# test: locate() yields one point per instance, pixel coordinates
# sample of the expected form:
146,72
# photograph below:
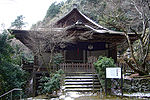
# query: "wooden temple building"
91,41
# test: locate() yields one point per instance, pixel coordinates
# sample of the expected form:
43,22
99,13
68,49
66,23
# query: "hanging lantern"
106,45
90,47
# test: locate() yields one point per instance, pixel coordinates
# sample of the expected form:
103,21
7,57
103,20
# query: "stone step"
81,90
80,77
80,74
81,86
81,80
81,83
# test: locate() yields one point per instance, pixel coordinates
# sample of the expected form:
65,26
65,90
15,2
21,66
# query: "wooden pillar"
34,84
113,52
35,60
64,55
84,56
36,63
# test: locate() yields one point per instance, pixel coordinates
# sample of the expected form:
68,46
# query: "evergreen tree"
11,75
53,10
18,23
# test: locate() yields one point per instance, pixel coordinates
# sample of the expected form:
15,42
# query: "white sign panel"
113,72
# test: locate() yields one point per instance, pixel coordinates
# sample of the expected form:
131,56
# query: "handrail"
15,89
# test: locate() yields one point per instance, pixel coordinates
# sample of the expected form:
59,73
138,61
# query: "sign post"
114,73
121,83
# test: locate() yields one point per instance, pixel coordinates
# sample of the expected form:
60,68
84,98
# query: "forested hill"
91,8
112,14
83,5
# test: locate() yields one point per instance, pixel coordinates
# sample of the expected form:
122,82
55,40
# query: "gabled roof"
76,22
30,37
74,16
83,27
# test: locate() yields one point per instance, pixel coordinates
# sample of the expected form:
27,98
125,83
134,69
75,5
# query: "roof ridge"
91,20
87,18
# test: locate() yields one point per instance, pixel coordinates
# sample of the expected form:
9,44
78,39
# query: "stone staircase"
81,82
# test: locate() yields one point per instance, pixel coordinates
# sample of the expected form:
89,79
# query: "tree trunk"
141,72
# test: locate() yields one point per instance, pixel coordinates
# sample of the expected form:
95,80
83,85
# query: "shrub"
58,59
51,84
100,66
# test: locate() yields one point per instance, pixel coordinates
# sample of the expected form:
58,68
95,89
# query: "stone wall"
130,86
137,85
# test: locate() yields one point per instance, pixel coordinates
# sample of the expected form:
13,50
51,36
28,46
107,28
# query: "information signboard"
113,72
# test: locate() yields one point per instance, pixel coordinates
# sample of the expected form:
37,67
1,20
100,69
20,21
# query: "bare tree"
47,40
131,16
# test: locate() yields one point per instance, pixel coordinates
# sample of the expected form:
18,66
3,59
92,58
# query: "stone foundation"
136,85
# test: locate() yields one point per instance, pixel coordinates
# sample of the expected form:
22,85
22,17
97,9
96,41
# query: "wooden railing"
77,67
68,67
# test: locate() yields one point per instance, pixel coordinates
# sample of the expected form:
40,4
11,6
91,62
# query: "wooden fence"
77,67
